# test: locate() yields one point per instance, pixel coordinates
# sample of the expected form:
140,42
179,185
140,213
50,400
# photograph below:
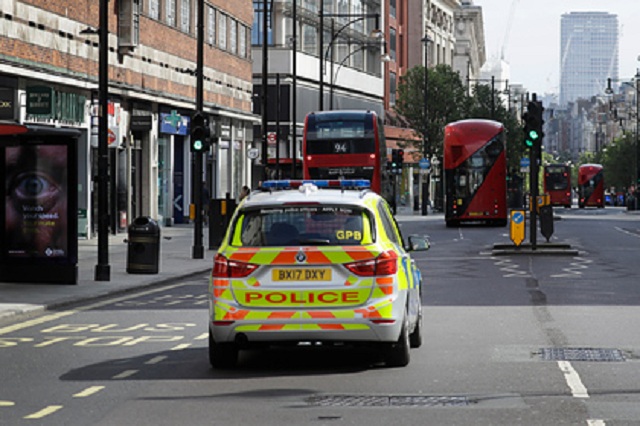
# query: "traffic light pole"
198,247
533,139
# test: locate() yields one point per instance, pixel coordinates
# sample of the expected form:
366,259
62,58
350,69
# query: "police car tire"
398,353
222,355
415,338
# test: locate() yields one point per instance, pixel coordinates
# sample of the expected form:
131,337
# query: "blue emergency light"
320,183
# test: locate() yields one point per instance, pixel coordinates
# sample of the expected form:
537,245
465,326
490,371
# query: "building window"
154,9
392,89
170,12
242,41
309,39
357,9
311,5
222,31
211,26
257,33
392,8
185,15
233,36
392,44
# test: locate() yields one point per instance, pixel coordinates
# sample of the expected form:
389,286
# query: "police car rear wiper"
315,242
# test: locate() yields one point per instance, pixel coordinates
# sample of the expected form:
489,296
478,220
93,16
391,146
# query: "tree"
619,162
446,99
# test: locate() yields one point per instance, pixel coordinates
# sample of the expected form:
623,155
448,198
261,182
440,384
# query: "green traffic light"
533,135
197,145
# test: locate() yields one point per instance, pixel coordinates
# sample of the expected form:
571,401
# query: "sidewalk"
176,263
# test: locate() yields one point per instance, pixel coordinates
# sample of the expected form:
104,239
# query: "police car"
315,261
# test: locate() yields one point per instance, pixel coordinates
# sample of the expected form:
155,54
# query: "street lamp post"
322,55
103,270
425,136
334,75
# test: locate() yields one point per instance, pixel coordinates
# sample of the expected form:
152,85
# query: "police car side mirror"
418,243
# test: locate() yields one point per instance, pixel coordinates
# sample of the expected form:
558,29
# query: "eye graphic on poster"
36,179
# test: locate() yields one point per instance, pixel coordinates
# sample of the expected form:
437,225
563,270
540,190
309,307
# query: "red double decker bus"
475,170
591,186
557,183
346,144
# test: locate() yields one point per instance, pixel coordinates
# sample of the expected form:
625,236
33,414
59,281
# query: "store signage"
39,100
140,123
7,103
174,124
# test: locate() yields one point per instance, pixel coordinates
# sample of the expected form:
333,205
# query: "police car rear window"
302,225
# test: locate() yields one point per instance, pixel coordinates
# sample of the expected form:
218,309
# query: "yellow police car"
315,261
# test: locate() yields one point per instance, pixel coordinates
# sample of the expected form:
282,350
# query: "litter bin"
143,246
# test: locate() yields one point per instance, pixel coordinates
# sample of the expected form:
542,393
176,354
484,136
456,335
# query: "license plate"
296,274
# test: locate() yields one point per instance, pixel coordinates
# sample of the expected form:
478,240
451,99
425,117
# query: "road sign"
425,163
253,153
516,230
271,137
524,162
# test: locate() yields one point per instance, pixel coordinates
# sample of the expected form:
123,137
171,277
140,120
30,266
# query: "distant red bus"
557,183
475,171
348,144
590,186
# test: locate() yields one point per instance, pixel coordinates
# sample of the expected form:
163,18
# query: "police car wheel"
415,338
222,355
398,352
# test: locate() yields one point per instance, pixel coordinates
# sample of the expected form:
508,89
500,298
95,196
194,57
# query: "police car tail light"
225,268
385,264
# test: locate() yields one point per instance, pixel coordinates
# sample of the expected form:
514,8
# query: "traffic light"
400,158
199,133
397,158
533,124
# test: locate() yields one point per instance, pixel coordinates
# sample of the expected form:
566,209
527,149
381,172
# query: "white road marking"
578,390
180,346
594,422
575,270
125,374
88,391
56,316
626,232
44,412
203,336
156,360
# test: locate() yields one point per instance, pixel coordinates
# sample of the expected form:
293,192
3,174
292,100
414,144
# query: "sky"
532,41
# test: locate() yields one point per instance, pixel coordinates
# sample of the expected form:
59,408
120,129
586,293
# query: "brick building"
52,48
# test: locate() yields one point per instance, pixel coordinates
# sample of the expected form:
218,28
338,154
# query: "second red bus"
475,170
590,186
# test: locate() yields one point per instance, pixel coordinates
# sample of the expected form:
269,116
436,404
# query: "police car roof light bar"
321,183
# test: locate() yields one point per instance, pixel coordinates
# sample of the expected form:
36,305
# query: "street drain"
387,401
582,354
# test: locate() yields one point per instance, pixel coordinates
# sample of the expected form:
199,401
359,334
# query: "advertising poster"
36,201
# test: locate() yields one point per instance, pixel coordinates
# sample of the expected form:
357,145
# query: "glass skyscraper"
588,54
